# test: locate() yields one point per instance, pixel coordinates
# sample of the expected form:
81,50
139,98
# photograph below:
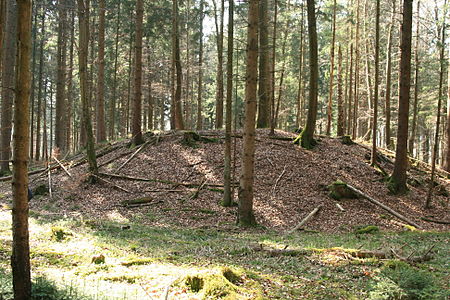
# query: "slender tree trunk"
227,195
8,82
245,210
219,78
330,95
398,179
350,91
137,101
20,259
341,108
129,79
112,108
44,116
61,104
307,135
101,128
416,85
264,67
70,91
272,70
373,160
33,79
83,19
387,107
40,81
299,119
434,152
356,86
179,124
2,27
150,98
200,70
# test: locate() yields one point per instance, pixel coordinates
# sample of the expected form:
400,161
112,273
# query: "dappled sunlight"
116,216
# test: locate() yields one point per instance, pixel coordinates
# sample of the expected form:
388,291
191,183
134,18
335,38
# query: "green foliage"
399,280
59,233
231,276
367,229
194,283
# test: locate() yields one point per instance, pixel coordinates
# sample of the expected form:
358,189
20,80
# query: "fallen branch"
113,184
132,156
311,214
278,179
435,221
144,204
385,207
114,158
195,194
62,166
340,207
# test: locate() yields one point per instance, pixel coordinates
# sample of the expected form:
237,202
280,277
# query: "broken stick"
132,156
62,166
311,214
385,207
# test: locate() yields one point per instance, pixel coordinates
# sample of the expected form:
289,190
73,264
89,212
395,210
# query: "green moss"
59,233
98,259
395,187
367,229
305,141
194,283
338,190
231,276
346,140
138,262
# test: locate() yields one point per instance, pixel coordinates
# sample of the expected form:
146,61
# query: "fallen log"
435,221
114,158
311,214
112,184
62,166
385,207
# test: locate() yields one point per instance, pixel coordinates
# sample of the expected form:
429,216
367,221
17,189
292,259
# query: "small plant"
231,276
195,283
98,259
59,234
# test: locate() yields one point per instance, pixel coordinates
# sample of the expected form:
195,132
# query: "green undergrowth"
210,264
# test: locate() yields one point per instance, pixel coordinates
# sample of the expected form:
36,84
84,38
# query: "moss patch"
338,190
367,229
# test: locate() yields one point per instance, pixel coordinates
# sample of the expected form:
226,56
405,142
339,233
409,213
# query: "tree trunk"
356,86
299,117
70,91
40,88
227,195
245,210
112,108
434,152
387,107
373,160
83,20
341,117
264,68
101,128
8,81
33,78
272,68
219,78
398,178
179,124
200,70
137,101
330,95
20,259
307,135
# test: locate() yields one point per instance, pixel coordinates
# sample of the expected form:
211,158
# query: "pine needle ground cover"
141,261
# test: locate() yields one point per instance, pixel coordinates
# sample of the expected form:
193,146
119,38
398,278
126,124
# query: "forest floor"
182,237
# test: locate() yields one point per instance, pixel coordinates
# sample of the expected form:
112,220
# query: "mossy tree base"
395,188
305,141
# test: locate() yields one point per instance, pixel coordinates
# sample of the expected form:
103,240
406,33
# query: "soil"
289,183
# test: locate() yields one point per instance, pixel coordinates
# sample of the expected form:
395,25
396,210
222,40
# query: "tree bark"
341,108
20,259
434,152
112,108
398,178
245,210
387,107
8,81
307,135
227,195
330,95
61,103
83,20
40,88
219,77
179,124
373,160
356,84
101,128
200,70
264,68
137,101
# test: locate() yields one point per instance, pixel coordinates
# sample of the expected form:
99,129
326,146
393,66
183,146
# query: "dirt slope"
290,182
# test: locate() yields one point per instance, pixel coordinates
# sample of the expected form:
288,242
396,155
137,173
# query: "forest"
221,149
